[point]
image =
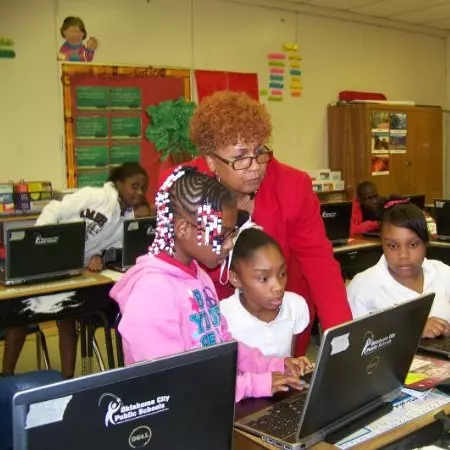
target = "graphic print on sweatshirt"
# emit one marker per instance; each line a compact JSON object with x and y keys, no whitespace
{"x":95,"y":221}
{"x":205,"y":319}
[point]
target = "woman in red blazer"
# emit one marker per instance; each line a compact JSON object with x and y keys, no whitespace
{"x":230,"y":129}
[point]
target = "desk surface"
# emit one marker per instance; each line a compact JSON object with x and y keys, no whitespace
{"x":86,"y":279}
{"x":357,"y":243}
{"x":244,"y":441}
{"x":17,"y":217}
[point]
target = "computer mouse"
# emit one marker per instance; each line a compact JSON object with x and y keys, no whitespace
{"x":444,"y":386}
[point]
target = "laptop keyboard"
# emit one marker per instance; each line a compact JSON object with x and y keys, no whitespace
{"x":442,"y":345}
{"x":281,"y":419}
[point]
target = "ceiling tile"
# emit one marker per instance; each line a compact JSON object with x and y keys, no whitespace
{"x":444,"y":23}
{"x":340,"y":4}
{"x":387,"y":8}
{"x":425,"y":15}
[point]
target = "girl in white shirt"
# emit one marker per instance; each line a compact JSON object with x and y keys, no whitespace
{"x":403,"y":272}
{"x":103,"y":209}
{"x":260,"y":313}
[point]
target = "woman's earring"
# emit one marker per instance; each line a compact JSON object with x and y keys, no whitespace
{"x":217,"y":176}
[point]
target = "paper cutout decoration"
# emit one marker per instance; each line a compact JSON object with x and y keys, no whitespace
{"x":277,"y":74}
{"x":290,"y":47}
{"x":276,"y":56}
{"x":276,"y":70}
{"x":73,"y":31}
{"x":277,"y":63}
{"x":275,"y":85}
{"x":276,"y":77}
{"x":7,"y":48}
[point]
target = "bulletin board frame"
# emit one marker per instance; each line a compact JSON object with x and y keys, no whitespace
{"x":70,"y":72}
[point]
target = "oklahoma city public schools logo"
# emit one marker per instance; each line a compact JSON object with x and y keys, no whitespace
{"x":372,"y":345}
{"x":118,"y":412}
{"x":140,"y":437}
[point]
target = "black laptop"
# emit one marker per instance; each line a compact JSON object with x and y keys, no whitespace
{"x":138,"y":235}
{"x":43,"y":253}
{"x":183,"y":401}
{"x":442,"y":217}
{"x":337,"y":218}
{"x":360,"y":369}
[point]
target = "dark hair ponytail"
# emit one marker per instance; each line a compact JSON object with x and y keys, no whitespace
{"x":249,"y":241}
{"x":126,"y":170}
{"x":400,"y":212}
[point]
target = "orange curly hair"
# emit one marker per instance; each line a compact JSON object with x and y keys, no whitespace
{"x":226,"y":118}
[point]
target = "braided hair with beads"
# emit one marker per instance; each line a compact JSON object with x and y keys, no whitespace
{"x":191,"y":192}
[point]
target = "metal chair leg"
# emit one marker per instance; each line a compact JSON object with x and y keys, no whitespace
{"x":98,"y":354}
{"x":42,"y":350}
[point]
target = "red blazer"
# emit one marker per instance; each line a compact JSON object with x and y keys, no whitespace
{"x":288,"y":210}
{"x":357,"y":225}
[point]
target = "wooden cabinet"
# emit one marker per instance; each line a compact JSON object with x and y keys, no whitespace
{"x":417,"y":171}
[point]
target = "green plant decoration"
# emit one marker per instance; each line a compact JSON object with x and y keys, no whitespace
{"x":169,"y":129}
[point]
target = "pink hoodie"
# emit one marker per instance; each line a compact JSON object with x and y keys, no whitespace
{"x":169,"y":308}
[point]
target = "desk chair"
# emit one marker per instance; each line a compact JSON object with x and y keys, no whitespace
{"x":41,"y":346}
{"x":10,"y":386}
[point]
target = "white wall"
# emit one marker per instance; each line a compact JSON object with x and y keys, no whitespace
{"x":204,"y":34}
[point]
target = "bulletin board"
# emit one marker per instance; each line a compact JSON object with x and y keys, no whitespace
{"x":105,"y":118}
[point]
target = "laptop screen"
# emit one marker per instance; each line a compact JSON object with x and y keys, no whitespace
{"x":337,"y":218}
{"x":442,"y":215}
{"x":138,"y":235}
{"x":45,"y":249}
{"x":363,"y":362}
{"x":184,"y":401}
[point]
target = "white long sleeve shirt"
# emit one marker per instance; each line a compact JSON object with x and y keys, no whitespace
{"x":99,"y":208}
{"x":376,"y":289}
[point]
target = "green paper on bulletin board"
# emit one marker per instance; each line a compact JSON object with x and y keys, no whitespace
{"x":92,"y":178}
{"x":91,"y":127}
{"x":125,"y":153}
{"x":126,"y":127}
{"x":126,"y":98}
{"x":92,"y":156}
{"x":92,"y":97}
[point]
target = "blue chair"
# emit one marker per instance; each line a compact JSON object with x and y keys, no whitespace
{"x":41,"y":346}
{"x":10,"y":386}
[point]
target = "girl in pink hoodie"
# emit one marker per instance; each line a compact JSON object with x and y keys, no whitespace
{"x":169,"y":304}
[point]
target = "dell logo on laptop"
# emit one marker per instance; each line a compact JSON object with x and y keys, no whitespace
{"x":140,"y":437}
{"x":46,"y":240}
{"x":329,"y":215}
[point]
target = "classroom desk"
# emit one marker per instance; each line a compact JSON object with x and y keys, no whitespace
{"x":244,"y":441}
{"x":358,"y":255}
{"x":75,"y":297}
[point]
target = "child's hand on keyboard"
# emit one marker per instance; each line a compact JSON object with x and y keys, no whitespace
{"x":282,"y":382}
{"x":435,"y":327}
{"x":298,"y":366}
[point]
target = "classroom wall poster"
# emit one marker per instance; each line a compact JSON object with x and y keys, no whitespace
{"x":104,"y":118}
{"x":380,"y":165}
{"x":388,"y":132}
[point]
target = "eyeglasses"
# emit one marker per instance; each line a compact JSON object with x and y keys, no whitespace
{"x":223,"y":237}
{"x":262,"y":156}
